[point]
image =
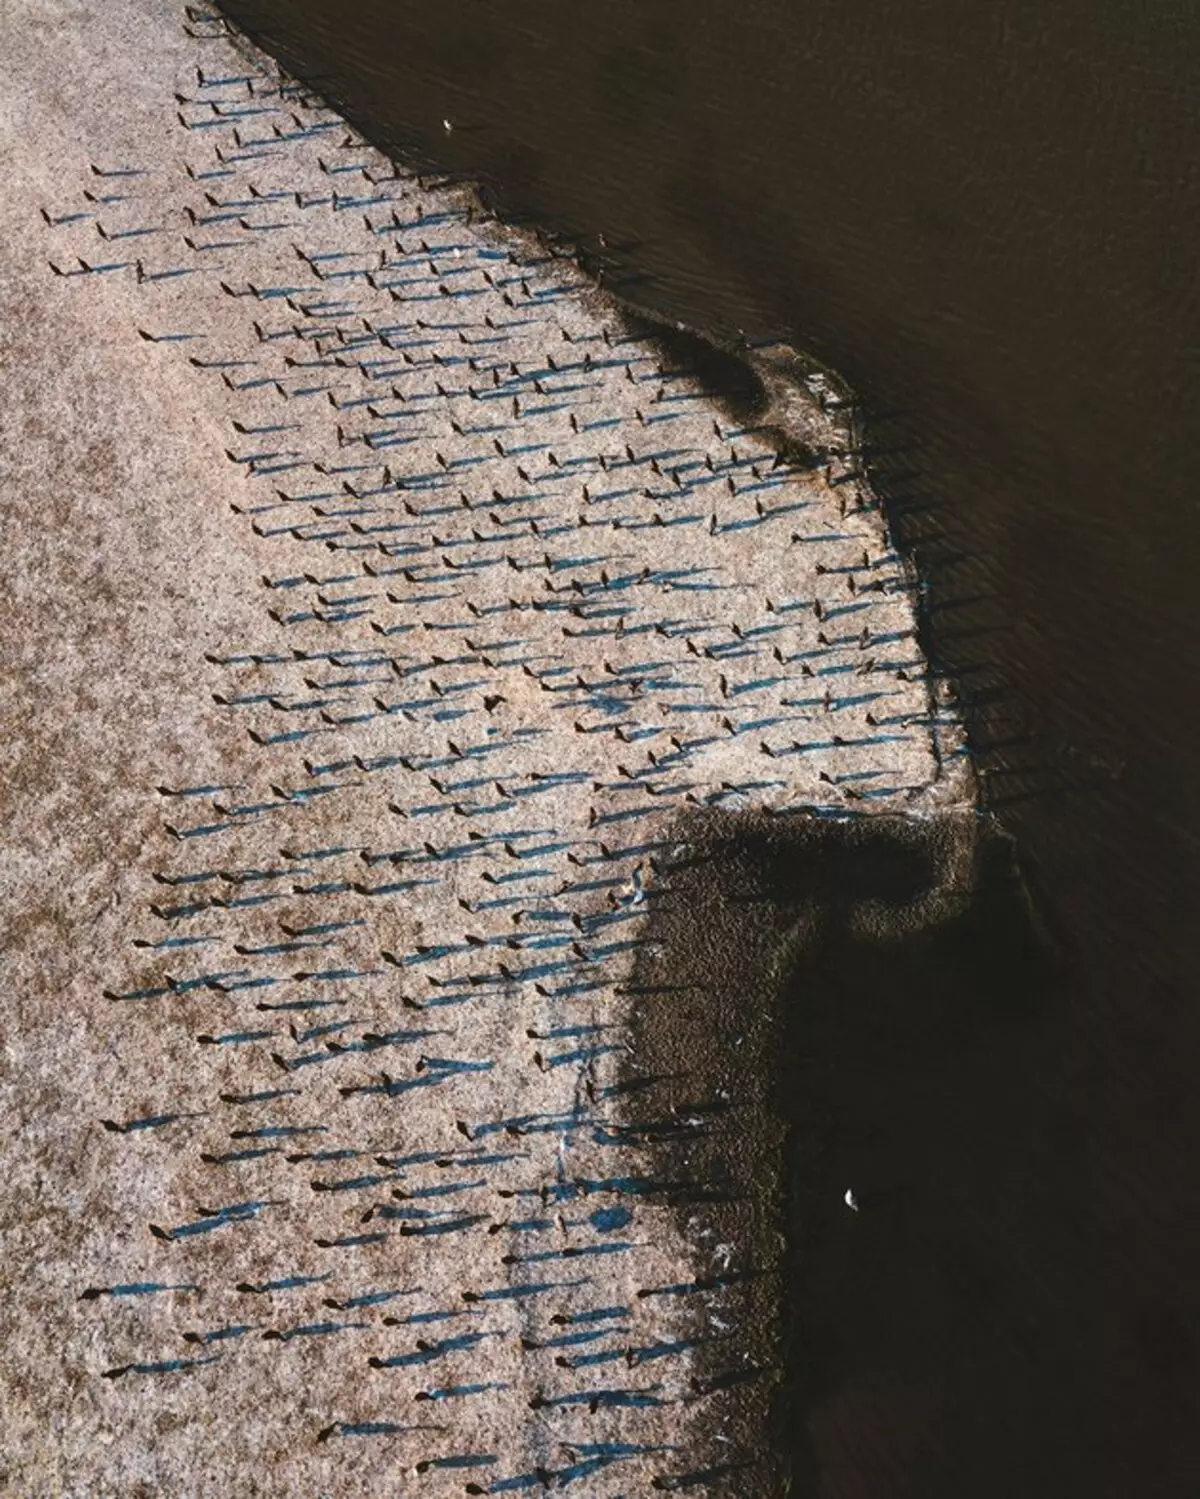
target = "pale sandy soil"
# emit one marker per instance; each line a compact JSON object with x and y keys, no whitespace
{"x":375,"y":609}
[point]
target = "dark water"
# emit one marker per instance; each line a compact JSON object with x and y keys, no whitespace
{"x":985,"y":218}
{"x":925,"y":1347}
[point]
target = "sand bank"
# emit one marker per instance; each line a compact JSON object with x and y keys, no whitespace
{"x":384,"y":612}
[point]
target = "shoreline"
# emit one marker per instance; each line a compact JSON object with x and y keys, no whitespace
{"x":215,"y":597}
{"x":772,"y":172}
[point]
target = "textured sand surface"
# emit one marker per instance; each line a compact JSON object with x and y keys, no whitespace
{"x":378,"y":611}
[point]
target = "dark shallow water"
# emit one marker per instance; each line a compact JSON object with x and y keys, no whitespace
{"x":986,"y":219}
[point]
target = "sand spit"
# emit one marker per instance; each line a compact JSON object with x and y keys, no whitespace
{"x":383,"y":613}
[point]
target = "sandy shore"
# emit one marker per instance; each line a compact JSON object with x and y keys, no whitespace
{"x":381,"y":615}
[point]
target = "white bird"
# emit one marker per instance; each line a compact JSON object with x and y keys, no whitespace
{"x":447,"y":126}
{"x":850,"y":1200}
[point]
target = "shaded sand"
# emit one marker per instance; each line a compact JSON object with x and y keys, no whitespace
{"x":383,"y":611}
